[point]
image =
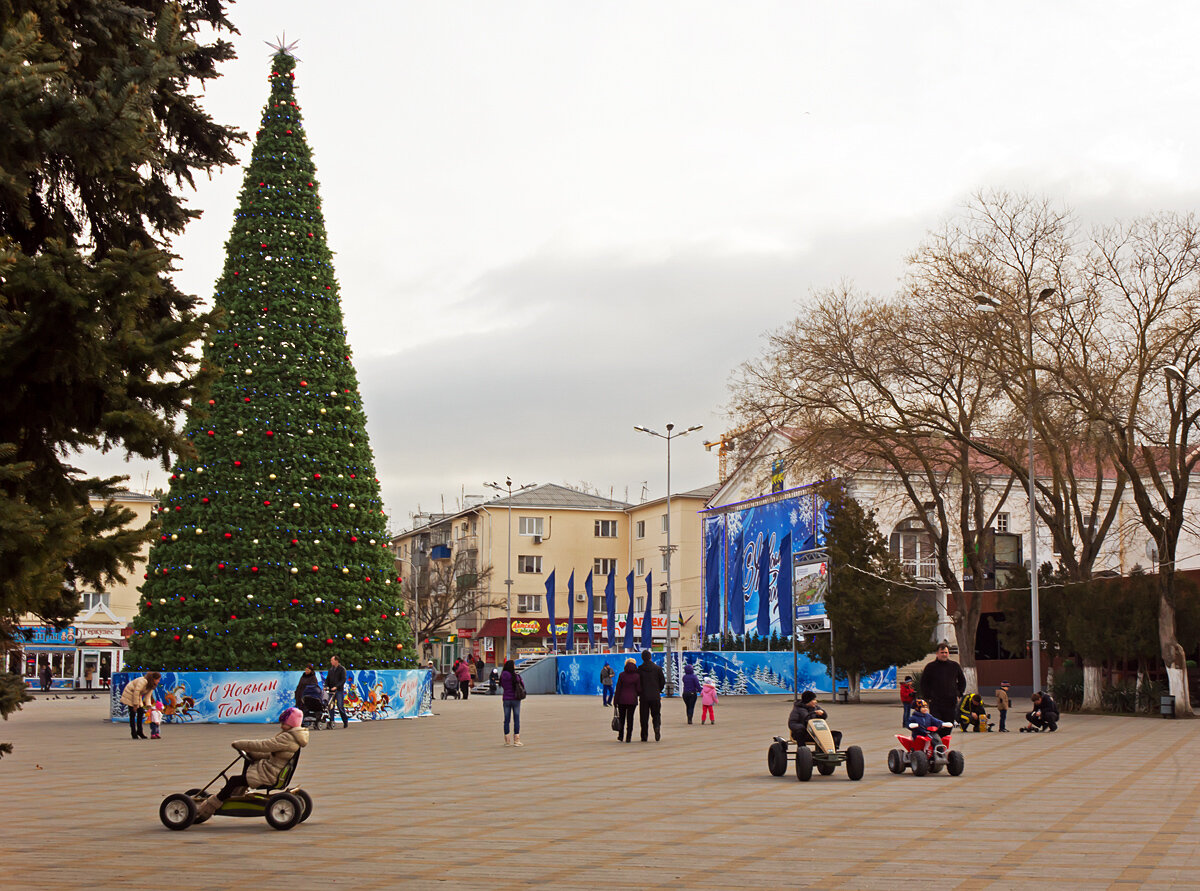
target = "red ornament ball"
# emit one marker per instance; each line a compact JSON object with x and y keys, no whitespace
{"x":315,"y":568}
{"x":254,"y":569}
{"x":336,"y":610}
{"x":304,"y":383}
{"x":354,"y":538}
{"x":365,"y":639}
{"x":183,"y":600}
{"x":229,"y":535}
{"x":267,"y":503}
{"x":274,"y":644}
{"x":316,"y":476}
{"x":294,"y":601}
{"x":232,"y":616}
{"x":212,"y":432}
{"x":270,"y":433}
{"x":245,"y":399}
{"x":295,"y":541}
{"x":335,"y":507}
{"x":329,"y":640}
{"x":212,"y":402}
{"x":220,"y":566}
{"x":204,"y":500}
{"x":399,"y":646}
{"x":237,"y":463}
{"x":177,"y":637}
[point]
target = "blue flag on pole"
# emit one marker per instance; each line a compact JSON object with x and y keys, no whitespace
{"x":629,"y":618}
{"x":570,"y":645}
{"x":764,"y":588}
{"x":587,"y":586}
{"x":550,"y":606}
{"x":712,"y":586}
{"x":610,"y":607}
{"x":647,"y":622}
{"x":783,"y":584}
{"x":736,"y":604}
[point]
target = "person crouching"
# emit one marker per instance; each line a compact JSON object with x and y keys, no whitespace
{"x":268,"y":758}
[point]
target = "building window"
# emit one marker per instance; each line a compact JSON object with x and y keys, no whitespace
{"x":641,"y":528}
{"x":666,"y":562}
{"x":666,"y":522}
{"x":529,"y":563}
{"x":662,"y":600}
{"x":604,"y":565}
{"x":92,"y":599}
{"x":641,"y":604}
{"x":641,"y":565}
{"x":606,"y":529}
{"x":598,"y":605}
{"x":912,"y":545}
{"x":1002,"y":521}
{"x":529,"y":603}
{"x":530,"y":525}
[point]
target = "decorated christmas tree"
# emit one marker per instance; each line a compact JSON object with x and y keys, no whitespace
{"x":272,"y":553}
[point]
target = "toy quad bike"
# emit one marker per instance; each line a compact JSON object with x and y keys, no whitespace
{"x":925,"y":755}
{"x":819,"y":750}
{"x":282,"y":808}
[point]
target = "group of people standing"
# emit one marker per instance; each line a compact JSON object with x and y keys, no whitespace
{"x":944,"y":686}
{"x":641,"y":687}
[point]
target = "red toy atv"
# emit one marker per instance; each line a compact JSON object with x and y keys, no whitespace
{"x":926,"y":753}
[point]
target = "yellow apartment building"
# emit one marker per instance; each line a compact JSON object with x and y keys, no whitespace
{"x":462,"y":561}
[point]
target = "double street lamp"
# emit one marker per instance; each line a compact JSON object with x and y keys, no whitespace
{"x":508,"y":484}
{"x":988,"y":303}
{"x":668,"y":549}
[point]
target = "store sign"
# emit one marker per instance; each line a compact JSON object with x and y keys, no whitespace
{"x":526,"y":626}
{"x":91,"y":632}
{"x":98,"y":642}
{"x":42,"y":634}
{"x":467,"y":632}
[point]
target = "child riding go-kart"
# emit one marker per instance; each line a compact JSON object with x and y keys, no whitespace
{"x":927,"y":750}
{"x":816,"y":745}
{"x":260,"y":790}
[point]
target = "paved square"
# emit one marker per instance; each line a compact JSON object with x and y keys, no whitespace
{"x":440,"y":801}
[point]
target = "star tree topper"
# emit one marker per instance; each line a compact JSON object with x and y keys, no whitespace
{"x":282,"y":46}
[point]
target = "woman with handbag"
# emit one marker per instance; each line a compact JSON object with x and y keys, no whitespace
{"x":629,"y":688}
{"x":513,"y":689}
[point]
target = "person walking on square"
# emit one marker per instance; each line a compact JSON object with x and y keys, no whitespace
{"x":137,"y":697}
{"x":46,"y":675}
{"x":708,"y":700}
{"x":1002,"y":704}
{"x":691,"y":690}
{"x":629,"y":690}
{"x":155,"y":717}
{"x":653,"y":682}
{"x":335,"y":683}
{"x":88,"y":671}
{"x":479,"y":668}
{"x":606,"y":683}
{"x":943,"y":684}
{"x":462,"y":671}
{"x":512,"y":692}
{"x":907,"y":696}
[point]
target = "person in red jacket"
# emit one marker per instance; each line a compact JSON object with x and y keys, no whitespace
{"x":462,"y":671}
{"x":907,"y":696}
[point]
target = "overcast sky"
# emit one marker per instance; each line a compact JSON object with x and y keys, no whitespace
{"x":555,"y":220}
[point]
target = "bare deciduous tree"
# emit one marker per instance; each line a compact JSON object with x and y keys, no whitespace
{"x":441,"y":591}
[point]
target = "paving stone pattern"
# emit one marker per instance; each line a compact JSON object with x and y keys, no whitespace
{"x":436,"y":802}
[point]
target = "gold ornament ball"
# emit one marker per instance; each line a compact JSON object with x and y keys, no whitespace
{"x":299,"y":646}
{"x":154,"y":634}
{"x":349,"y":636}
{"x":191,"y":637}
{"x":345,"y":571}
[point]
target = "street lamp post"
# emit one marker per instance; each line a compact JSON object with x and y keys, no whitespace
{"x":668,"y":437}
{"x":989,"y":303}
{"x":508,"y":484}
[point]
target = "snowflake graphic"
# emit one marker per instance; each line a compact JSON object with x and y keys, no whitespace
{"x":574,"y":673}
{"x":794,"y":518}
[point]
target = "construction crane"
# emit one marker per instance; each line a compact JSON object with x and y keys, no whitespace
{"x":724,"y":446}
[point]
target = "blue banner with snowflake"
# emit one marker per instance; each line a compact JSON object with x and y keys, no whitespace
{"x":747,"y":542}
{"x":736,"y":673}
{"x":259,"y":697}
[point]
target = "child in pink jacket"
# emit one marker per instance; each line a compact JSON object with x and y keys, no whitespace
{"x":708,"y":699}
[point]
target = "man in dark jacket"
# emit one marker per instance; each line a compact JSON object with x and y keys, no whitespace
{"x":803,"y":711}
{"x":1044,"y":715}
{"x":943,"y":684}
{"x":653,"y":682}
{"x":335,"y":683}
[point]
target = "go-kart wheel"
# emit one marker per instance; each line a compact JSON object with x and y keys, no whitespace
{"x":955,"y":763}
{"x":920,"y":763}
{"x":825,"y":769}
{"x":306,"y":800}
{"x":177,"y":811}
{"x":804,"y":763}
{"x":777,"y":759}
{"x":896,"y":761}
{"x":855,"y":763}
{"x":284,"y":810}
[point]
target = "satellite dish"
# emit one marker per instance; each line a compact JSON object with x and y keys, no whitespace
{"x":1151,"y":551}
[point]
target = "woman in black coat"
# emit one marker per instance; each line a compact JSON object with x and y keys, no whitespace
{"x":629,"y":688}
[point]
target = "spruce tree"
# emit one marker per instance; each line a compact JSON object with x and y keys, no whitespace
{"x":103,"y":128}
{"x":272,"y":551}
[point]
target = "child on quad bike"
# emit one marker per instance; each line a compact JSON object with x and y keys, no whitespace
{"x":802,"y":712}
{"x":927,"y":724}
{"x":268,"y":757}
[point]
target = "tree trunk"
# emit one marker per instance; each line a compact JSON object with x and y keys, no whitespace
{"x":966,"y":623}
{"x":1173,"y":654}
{"x":854,"y":680}
{"x":1141,"y":684}
{"x":1091,"y":685}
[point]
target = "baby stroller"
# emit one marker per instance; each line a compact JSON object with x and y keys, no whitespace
{"x":314,"y":709}
{"x":450,"y":686}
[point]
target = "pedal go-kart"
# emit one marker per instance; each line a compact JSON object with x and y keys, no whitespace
{"x":925,"y":755}
{"x":819,"y":751}
{"x":282,"y":807}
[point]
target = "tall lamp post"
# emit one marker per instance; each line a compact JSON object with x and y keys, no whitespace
{"x":508,"y":484}
{"x":989,"y":303}
{"x":668,"y":437}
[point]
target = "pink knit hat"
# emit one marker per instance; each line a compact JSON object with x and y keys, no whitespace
{"x":291,"y":717}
